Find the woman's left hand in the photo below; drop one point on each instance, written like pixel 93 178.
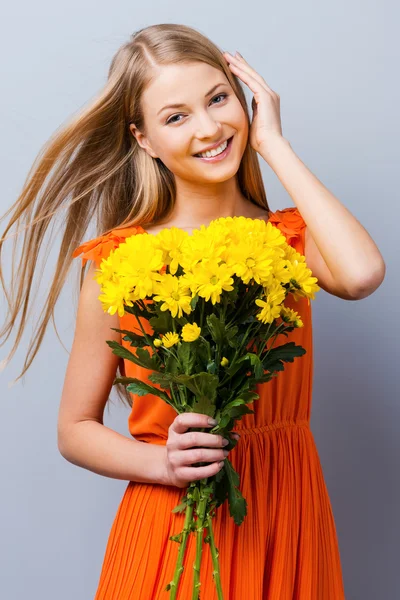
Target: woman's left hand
pixel 266 123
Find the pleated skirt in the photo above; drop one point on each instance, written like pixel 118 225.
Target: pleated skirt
pixel 285 549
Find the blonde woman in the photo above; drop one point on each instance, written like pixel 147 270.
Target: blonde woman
pixel 169 142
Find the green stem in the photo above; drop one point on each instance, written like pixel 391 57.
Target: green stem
pixel 201 511
pixel 214 556
pixel 275 334
pixel 182 547
pixel 201 312
pixel 148 340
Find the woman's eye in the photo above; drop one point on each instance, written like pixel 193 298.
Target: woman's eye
pixel 170 120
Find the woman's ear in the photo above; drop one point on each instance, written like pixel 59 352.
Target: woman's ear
pixel 142 140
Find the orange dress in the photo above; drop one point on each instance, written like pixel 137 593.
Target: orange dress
pixel 287 545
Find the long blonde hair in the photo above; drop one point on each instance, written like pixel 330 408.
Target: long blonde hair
pixel 94 167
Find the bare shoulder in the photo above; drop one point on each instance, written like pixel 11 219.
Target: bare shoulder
pixel 91 366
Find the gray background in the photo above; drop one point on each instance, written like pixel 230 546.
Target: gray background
pixel 335 67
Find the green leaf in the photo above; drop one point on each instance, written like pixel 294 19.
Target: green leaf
pixel 162 323
pixel 231 336
pixel 211 367
pixel 273 359
pixel 134 338
pixel 201 384
pixel 140 388
pixel 194 301
pixel 141 358
pixel 238 411
pixel 171 364
pixel 221 487
pixel 187 356
pixel 204 406
pixel 149 362
pixel 162 379
pixel 237 504
pixel 255 362
pixel 180 508
pixel 123 352
pixel 217 328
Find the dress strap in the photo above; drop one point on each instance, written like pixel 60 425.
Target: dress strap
pixel 100 247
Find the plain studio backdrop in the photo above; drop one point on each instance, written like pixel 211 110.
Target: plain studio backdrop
pixel 335 66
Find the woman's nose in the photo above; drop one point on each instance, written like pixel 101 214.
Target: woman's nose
pixel 208 127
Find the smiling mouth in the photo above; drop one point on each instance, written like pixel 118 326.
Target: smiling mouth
pixel 229 140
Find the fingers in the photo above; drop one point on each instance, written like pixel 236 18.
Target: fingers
pixel 238 62
pixel 198 438
pixel 184 421
pixel 191 457
pixel 196 473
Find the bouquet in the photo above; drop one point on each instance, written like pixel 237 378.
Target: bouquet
pixel 215 301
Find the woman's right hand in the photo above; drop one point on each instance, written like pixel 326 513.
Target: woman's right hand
pixel 182 453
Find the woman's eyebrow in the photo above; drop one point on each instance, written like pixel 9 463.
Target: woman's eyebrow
pixel 180 105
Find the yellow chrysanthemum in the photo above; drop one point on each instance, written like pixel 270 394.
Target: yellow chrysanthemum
pixel 251 249
pixel 157 343
pixel 291 316
pixel 169 241
pixel 269 312
pixel 201 245
pixel 224 361
pixel 251 260
pixel 211 279
pixel 271 306
pixel 173 295
pixel 170 339
pixel 190 332
pixel 302 275
pixel 113 298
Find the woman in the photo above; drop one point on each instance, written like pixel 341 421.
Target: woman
pixel 139 159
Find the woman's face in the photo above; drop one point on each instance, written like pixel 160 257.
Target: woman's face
pixel 210 114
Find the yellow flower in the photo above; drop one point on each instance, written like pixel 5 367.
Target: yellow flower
pixel 224 361
pixel 201 245
pixel 251 260
pixel 303 277
pixel 211 278
pixel 170 240
pixel 269 312
pixel 170 339
pixel 291 316
pixel 190 332
pixel 113 297
pixel 173 294
pixel 157 343
pixel 271 306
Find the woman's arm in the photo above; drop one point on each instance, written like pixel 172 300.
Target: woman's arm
pixel 339 250
pixel 83 439
pixel 93 446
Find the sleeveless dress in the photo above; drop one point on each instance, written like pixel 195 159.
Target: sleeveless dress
pixel 287 546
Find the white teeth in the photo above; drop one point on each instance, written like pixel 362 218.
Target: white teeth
pixel 214 151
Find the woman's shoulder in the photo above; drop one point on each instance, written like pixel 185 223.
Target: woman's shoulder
pixel 100 247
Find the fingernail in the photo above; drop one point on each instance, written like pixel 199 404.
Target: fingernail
pixel 238 54
pixel 212 422
pixel 225 442
pixel 225 452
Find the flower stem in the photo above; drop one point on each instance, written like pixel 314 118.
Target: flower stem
pixel 182 547
pixel 214 556
pixel 199 528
